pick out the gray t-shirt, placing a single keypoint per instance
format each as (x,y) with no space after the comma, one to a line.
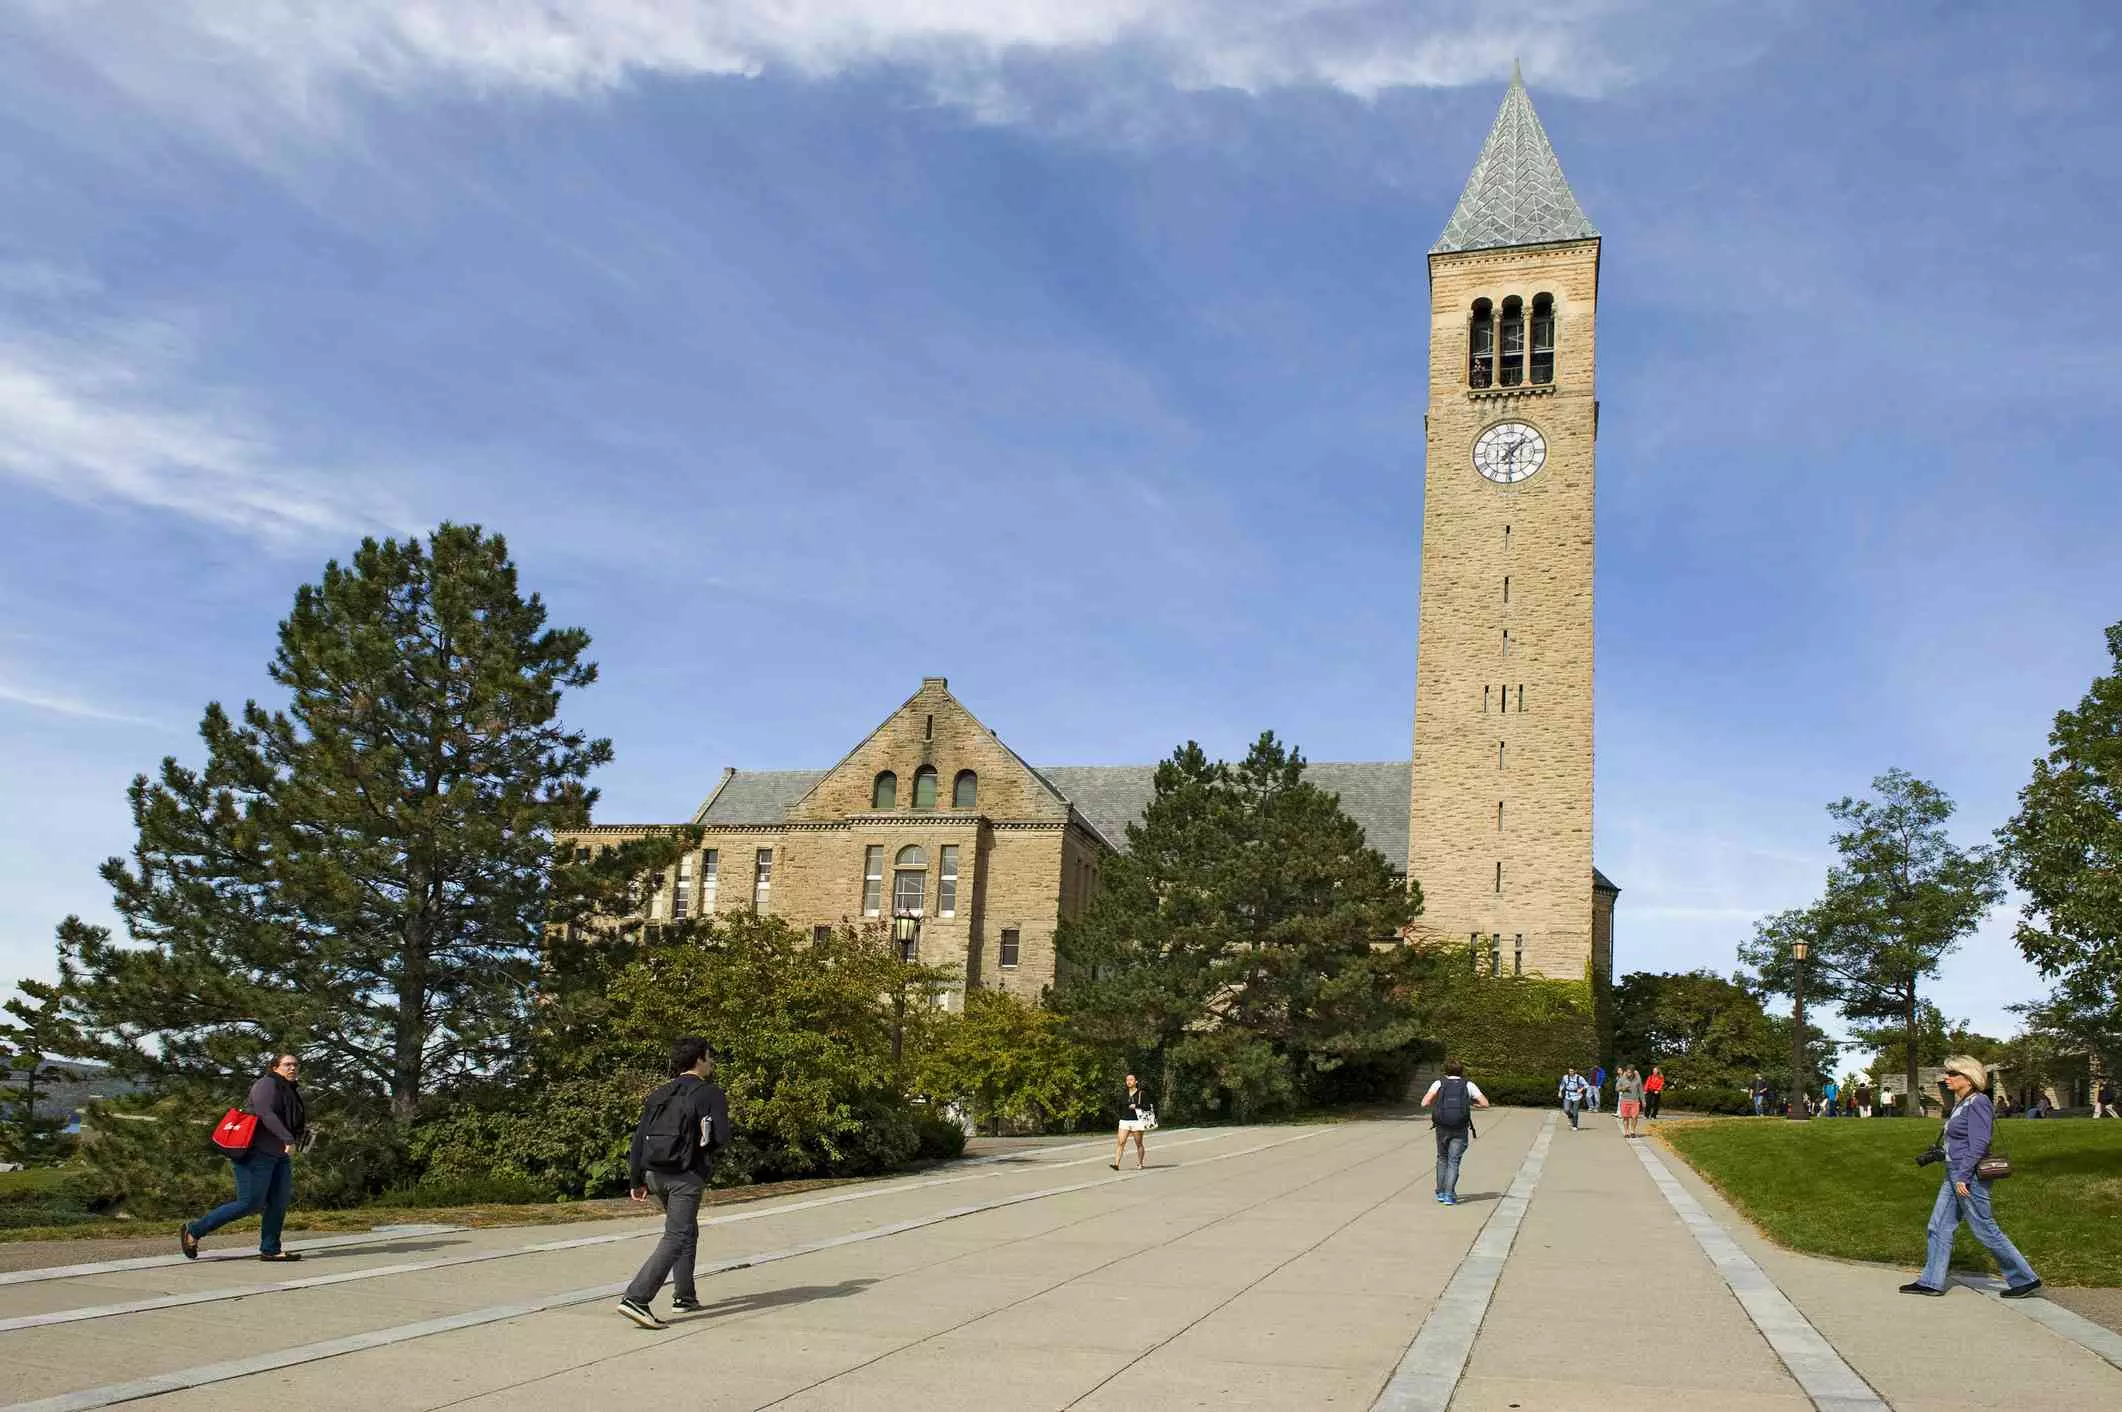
(1629,1087)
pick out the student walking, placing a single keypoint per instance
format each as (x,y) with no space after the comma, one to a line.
(1653,1092)
(1628,1100)
(1829,1094)
(1964,1195)
(1864,1100)
(1136,1118)
(1598,1085)
(1759,1092)
(1572,1095)
(265,1175)
(683,1123)
(1456,1097)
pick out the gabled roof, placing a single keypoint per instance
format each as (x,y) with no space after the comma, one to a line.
(1517,194)
(756,796)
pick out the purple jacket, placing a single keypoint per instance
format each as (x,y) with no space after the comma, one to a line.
(1967,1135)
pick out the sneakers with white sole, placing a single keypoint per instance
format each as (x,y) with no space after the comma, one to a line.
(641,1314)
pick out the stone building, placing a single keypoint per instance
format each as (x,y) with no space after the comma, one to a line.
(932,816)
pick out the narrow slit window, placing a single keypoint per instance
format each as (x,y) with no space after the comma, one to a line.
(1499,755)
(1521,697)
(1499,816)
(873,880)
(1506,642)
(762,879)
(1510,336)
(1506,582)
(1481,345)
(710,865)
(1517,955)
(928,731)
(1495,953)
(1543,369)
(1499,876)
(1484,699)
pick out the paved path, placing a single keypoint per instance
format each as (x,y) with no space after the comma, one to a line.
(1248,1268)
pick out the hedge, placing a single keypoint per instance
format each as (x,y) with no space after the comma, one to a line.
(1512,1025)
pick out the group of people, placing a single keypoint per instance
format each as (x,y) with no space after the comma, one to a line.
(685,1122)
(1833,1101)
(1636,1095)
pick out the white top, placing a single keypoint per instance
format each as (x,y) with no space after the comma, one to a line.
(1473,1093)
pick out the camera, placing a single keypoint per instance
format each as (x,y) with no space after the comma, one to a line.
(1934,1153)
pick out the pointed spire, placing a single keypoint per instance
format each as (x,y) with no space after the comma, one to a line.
(1517,194)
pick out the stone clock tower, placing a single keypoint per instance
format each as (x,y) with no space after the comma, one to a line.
(1500,829)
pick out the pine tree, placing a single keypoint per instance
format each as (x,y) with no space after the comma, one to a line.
(27,1041)
(2064,850)
(362,875)
(1246,947)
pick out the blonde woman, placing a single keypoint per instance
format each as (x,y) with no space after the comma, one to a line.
(1964,1196)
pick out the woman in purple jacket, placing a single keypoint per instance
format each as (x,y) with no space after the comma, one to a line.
(265,1175)
(1964,1195)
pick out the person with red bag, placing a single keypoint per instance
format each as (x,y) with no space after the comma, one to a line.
(265,1174)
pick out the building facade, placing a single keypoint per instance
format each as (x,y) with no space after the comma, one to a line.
(932,817)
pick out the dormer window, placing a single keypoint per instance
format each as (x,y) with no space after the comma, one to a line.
(884,793)
(925,787)
(1481,345)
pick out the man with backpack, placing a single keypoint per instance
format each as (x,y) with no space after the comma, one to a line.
(682,1124)
(1456,1098)
(1572,1092)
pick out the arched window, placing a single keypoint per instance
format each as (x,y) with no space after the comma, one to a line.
(1481,346)
(909,881)
(1543,338)
(965,790)
(884,794)
(925,787)
(1511,336)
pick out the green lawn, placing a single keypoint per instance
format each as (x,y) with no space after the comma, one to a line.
(1852,1188)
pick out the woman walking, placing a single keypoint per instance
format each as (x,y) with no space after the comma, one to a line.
(1135,1117)
(1964,1196)
(265,1175)
(1653,1091)
(1628,1100)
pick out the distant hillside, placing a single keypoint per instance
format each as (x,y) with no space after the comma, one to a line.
(62,1098)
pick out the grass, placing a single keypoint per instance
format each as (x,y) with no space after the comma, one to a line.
(1853,1190)
(361,1218)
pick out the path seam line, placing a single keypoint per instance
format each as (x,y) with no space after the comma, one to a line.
(182,1379)
(2064,1323)
(1812,1361)
(1429,1372)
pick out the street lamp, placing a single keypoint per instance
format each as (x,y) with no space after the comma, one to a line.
(906,936)
(1798,951)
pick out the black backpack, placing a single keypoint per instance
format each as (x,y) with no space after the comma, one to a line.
(669,1137)
(1454,1109)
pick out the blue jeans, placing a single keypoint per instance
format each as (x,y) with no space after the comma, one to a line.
(1451,1146)
(264,1181)
(1570,1106)
(1760,1105)
(1945,1218)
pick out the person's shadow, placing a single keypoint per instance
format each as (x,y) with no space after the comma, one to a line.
(1480,1196)
(773,1299)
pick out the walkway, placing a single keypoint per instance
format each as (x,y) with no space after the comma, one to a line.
(1248,1268)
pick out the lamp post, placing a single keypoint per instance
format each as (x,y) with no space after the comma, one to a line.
(906,939)
(1798,951)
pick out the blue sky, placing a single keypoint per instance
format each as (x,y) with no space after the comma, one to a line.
(1075,351)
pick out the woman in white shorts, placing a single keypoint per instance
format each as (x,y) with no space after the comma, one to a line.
(1136,1116)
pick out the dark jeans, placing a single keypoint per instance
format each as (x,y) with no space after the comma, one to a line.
(672,1259)
(1650,1102)
(1451,1146)
(264,1181)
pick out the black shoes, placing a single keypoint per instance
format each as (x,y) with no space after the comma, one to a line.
(279,1257)
(684,1305)
(187,1242)
(1918,1287)
(641,1314)
(2019,1291)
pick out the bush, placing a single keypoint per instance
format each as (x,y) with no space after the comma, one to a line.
(45,1196)
(1509,1024)
(1012,1066)
(564,1139)
(941,1137)
(494,1190)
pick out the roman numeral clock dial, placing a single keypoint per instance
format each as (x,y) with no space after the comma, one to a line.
(1509,452)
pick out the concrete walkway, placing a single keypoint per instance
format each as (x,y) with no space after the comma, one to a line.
(1248,1268)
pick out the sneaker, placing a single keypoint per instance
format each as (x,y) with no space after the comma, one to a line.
(1440,1198)
(187,1242)
(641,1314)
(279,1257)
(686,1304)
(1451,1200)
(2018,1291)
(1918,1287)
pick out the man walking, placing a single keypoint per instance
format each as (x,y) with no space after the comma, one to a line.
(1456,1098)
(682,1123)
(1760,1095)
(1828,1094)
(1597,1086)
(1653,1092)
(2104,1103)
(1572,1092)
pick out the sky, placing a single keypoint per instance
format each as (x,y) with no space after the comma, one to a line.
(1072,349)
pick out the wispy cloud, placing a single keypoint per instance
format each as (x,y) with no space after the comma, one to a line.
(109,416)
(303,56)
(16,692)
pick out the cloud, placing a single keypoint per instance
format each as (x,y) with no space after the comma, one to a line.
(15,692)
(109,417)
(43,279)
(216,60)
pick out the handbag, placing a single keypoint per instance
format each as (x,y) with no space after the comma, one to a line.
(1149,1117)
(1993,1168)
(233,1135)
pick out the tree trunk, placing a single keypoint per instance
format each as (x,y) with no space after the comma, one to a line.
(409,1041)
(1915,1099)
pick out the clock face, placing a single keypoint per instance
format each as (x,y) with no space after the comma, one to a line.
(1509,451)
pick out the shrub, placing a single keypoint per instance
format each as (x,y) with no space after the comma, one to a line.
(45,1196)
(1011,1065)
(1508,1024)
(494,1190)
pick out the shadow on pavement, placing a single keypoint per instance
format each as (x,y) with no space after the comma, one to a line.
(775,1299)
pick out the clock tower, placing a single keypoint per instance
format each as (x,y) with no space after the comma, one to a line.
(1500,828)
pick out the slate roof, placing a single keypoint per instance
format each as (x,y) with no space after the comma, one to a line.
(1517,194)
(755,796)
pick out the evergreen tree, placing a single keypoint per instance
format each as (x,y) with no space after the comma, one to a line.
(27,1040)
(1896,905)
(2064,850)
(362,875)
(1709,1033)
(1246,946)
